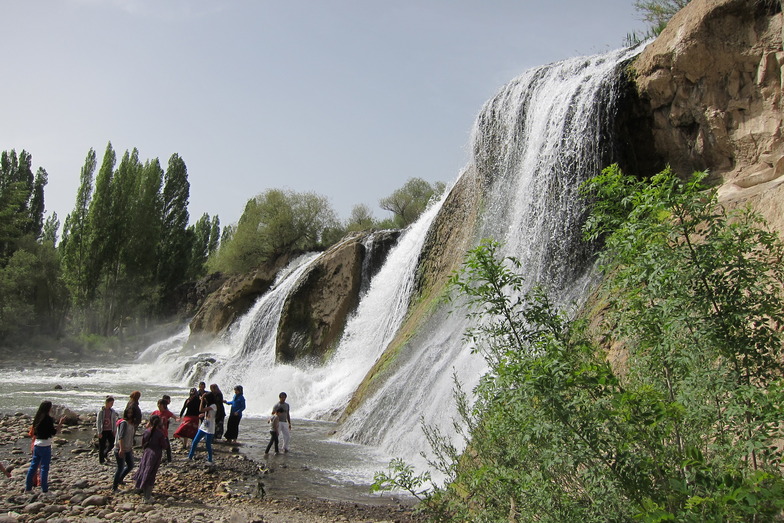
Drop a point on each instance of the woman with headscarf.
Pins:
(235, 415)
(189, 413)
(153, 442)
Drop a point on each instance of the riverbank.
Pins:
(230, 490)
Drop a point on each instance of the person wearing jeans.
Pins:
(123, 450)
(207, 428)
(44, 430)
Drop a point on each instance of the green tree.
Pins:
(361, 218)
(101, 242)
(656, 13)
(18, 193)
(215, 234)
(75, 245)
(201, 237)
(174, 256)
(274, 223)
(140, 254)
(410, 201)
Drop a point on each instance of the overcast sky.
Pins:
(347, 98)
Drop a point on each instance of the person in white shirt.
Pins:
(207, 427)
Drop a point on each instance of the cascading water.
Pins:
(534, 143)
(321, 392)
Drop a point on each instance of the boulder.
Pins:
(234, 298)
(96, 500)
(315, 312)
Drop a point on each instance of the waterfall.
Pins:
(533, 144)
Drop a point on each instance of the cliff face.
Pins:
(712, 83)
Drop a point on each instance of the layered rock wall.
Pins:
(712, 83)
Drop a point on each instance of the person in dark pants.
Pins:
(106, 425)
(123, 450)
(235, 415)
(274, 421)
(220, 415)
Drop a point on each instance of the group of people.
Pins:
(201, 418)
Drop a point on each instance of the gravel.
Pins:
(230, 490)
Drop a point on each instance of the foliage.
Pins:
(410, 201)
(31, 295)
(361, 218)
(400, 476)
(656, 13)
(126, 245)
(273, 223)
(687, 428)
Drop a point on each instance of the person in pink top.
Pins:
(165, 415)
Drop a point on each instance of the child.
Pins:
(123, 449)
(207, 427)
(153, 442)
(274, 427)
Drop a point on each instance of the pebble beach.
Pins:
(229, 490)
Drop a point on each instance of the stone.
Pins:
(314, 313)
(233, 299)
(78, 498)
(95, 500)
(34, 507)
(82, 483)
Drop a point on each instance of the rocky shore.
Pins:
(230, 490)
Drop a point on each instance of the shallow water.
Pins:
(317, 466)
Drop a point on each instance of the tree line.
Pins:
(127, 247)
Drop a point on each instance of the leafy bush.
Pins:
(688, 428)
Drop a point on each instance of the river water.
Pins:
(318, 466)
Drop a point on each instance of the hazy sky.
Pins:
(347, 98)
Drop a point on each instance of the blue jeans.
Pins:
(207, 439)
(42, 456)
(124, 466)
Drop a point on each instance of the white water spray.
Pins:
(534, 143)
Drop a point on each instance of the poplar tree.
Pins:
(16, 193)
(173, 250)
(200, 234)
(74, 247)
(140, 255)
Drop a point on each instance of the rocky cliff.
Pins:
(712, 85)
